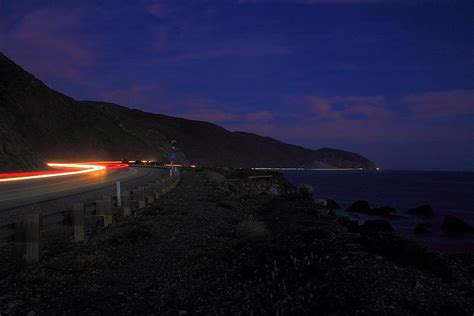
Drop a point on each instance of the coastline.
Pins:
(226, 243)
(447, 193)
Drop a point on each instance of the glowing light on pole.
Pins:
(172, 156)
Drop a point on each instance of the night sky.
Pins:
(392, 80)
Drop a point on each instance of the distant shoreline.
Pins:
(361, 169)
(312, 169)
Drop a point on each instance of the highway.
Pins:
(49, 194)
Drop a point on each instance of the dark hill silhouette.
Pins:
(38, 124)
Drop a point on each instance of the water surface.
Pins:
(447, 192)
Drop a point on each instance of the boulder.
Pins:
(359, 206)
(331, 204)
(363, 207)
(321, 202)
(306, 190)
(421, 229)
(273, 190)
(217, 179)
(382, 211)
(407, 252)
(423, 210)
(376, 226)
(452, 224)
(352, 226)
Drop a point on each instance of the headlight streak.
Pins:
(78, 168)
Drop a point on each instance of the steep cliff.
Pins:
(39, 124)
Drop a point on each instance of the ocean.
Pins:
(447, 192)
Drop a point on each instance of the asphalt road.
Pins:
(60, 192)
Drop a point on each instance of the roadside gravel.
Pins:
(215, 246)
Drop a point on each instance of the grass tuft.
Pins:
(252, 228)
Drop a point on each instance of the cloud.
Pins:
(314, 118)
(205, 109)
(45, 43)
(148, 97)
(367, 111)
(259, 116)
(358, 119)
(347, 107)
(320, 107)
(340, 2)
(364, 107)
(239, 47)
(376, 119)
(260, 128)
(210, 115)
(201, 108)
(323, 2)
(152, 97)
(366, 100)
(180, 37)
(157, 9)
(441, 103)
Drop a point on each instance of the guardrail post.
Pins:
(7, 233)
(149, 194)
(119, 195)
(175, 182)
(126, 203)
(126, 195)
(108, 210)
(99, 207)
(20, 226)
(141, 197)
(127, 207)
(164, 188)
(32, 227)
(157, 189)
(149, 199)
(76, 219)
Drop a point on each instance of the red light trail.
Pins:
(67, 169)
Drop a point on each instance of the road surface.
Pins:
(58, 193)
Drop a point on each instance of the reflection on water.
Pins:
(447, 192)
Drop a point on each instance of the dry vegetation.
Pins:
(214, 247)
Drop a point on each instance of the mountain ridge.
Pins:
(38, 124)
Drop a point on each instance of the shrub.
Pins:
(251, 228)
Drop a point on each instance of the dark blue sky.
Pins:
(393, 80)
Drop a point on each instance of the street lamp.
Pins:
(172, 156)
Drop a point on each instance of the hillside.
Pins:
(39, 124)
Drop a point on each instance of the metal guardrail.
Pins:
(27, 228)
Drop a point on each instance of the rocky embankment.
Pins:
(451, 224)
(224, 243)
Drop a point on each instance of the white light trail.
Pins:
(84, 168)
